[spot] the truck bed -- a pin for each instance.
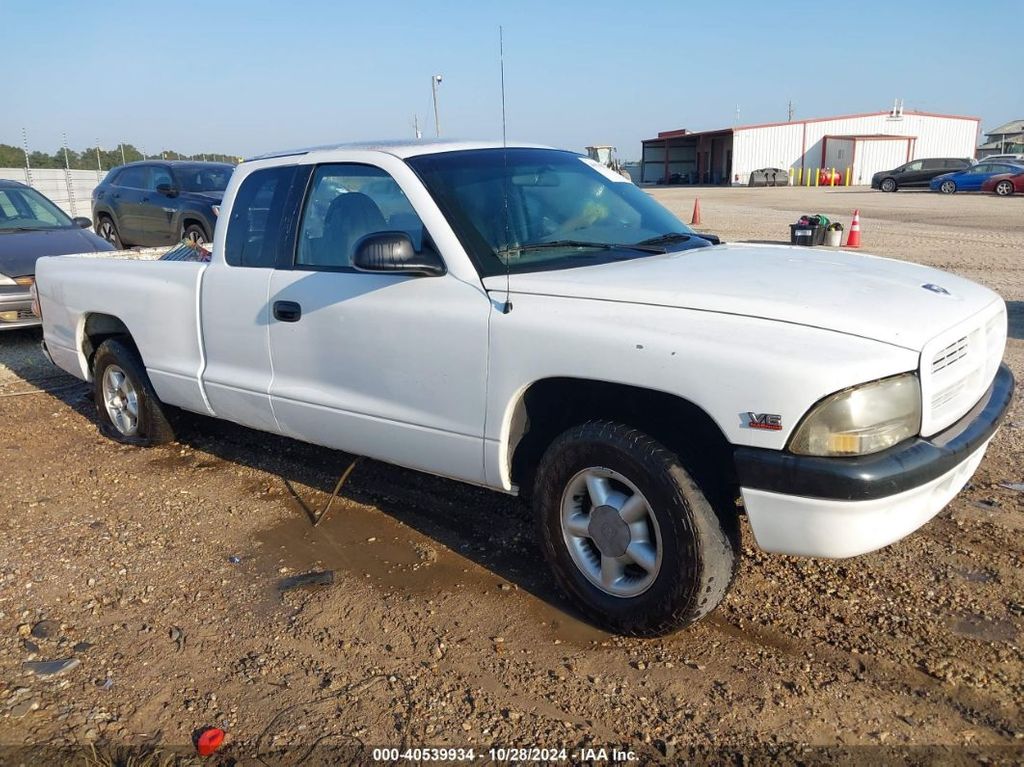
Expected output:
(157, 301)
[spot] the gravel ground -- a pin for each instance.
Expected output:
(160, 572)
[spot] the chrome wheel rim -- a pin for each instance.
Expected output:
(1003, 188)
(611, 532)
(888, 185)
(107, 232)
(196, 238)
(121, 400)
(948, 187)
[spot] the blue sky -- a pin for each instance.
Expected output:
(254, 76)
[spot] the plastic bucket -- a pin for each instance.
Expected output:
(833, 238)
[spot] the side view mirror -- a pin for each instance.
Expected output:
(393, 253)
(82, 222)
(167, 190)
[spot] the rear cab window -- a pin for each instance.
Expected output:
(261, 230)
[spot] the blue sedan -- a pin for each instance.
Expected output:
(971, 179)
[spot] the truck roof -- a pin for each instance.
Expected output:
(401, 148)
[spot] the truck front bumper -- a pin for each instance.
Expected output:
(842, 507)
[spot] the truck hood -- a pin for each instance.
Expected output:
(895, 302)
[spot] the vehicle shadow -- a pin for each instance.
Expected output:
(493, 530)
(1015, 319)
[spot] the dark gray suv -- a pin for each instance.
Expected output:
(159, 202)
(917, 173)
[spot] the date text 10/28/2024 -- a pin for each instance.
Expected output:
(612, 755)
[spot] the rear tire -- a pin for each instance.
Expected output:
(947, 187)
(1004, 188)
(628, 534)
(889, 185)
(107, 229)
(128, 409)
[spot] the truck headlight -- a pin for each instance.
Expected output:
(862, 420)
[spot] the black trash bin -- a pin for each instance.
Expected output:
(806, 234)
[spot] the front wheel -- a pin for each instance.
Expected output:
(889, 185)
(127, 408)
(947, 187)
(627, 532)
(195, 235)
(1004, 188)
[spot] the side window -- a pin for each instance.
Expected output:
(914, 166)
(346, 203)
(957, 164)
(7, 209)
(257, 230)
(160, 175)
(135, 177)
(934, 165)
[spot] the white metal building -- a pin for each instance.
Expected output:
(864, 143)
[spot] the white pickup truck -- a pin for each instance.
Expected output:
(523, 319)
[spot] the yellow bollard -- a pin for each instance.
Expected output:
(848, 169)
(791, 177)
(817, 176)
(807, 178)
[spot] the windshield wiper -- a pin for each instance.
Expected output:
(666, 238)
(555, 244)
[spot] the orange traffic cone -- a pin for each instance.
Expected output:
(853, 238)
(695, 220)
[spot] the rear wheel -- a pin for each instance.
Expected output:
(947, 187)
(627, 532)
(195, 235)
(1004, 188)
(108, 231)
(888, 185)
(127, 408)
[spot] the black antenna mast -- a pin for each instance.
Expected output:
(505, 180)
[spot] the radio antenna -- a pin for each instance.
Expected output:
(504, 185)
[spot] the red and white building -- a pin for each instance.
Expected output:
(864, 143)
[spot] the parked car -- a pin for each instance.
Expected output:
(971, 179)
(917, 173)
(527, 320)
(159, 203)
(32, 226)
(1004, 184)
(1011, 158)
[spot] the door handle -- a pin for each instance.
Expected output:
(287, 311)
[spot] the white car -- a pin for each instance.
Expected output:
(524, 319)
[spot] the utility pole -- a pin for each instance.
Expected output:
(737, 114)
(123, 161)
(28, 166)
(789, 117)
(434, 82)
(416, 127)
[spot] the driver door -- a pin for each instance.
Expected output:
(390, 366)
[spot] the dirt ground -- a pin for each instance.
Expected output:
(162, 573)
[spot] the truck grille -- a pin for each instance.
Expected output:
(958, 366)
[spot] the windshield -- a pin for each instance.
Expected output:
(23, 209)
(204, 178)
(533, 209)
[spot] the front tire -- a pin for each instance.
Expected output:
(628, 534)
(195, 235)
(128, 409)
(947, 187)
(888, 185)
(1004, 188)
